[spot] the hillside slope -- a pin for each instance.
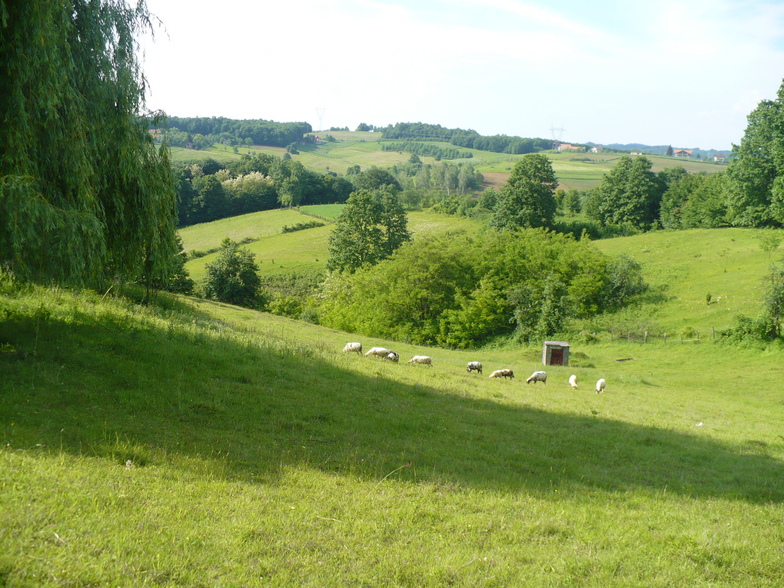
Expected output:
(205, 444)
(581, 171)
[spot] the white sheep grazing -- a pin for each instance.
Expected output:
(353, 348)
(504, 373)
(422, 359)
(474, 366)
(600, 385)
(392, 356)
(378, 352)
(537, 377)
(573, 381)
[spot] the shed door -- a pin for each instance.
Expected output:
(556, 356)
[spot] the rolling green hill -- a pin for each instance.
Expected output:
(681, 266)
(580, 171)
(199, 444)
(301, 250)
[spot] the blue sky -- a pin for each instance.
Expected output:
(684, 73)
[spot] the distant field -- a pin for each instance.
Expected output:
(300, 251)
(581, 171)
(326, 211)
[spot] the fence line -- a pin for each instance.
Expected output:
(664, 337)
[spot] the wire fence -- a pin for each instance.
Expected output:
(643, 337)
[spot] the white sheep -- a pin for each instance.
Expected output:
(353, 348)
(573, 381)
(474, 366)
(504, 373)
(392, 356)
(600, 385)
(421, 359)
(378, 352)
(537, 377)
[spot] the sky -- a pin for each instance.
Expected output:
(684, 73)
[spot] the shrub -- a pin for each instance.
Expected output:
(233, 277)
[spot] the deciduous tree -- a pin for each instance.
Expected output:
(233, 276)
(528, 198)
(371, 227)
(85, 196)
(756, 192)
(630, 193)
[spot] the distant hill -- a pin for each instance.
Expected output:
(662, 149)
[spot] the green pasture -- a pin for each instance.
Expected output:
(299, 251)
(686, 266)
(199, 444)
(581, 171)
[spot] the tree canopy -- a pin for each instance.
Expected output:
(630, 193)
(756, 187)
(84, 194)
(371, 227)
(528, 198)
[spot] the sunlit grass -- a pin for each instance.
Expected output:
(203, 444)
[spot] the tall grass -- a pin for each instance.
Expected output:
(205, 445)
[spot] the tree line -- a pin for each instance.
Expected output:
(427, 150)
(210, 130)
(469, 139)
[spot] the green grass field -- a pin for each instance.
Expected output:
(199, 444)
(300, 251)
(581, 171)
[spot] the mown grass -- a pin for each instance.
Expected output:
(206, 445)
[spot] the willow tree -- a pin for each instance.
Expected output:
(85, 195)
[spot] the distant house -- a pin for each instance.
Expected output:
(597, 149)
(719, 157)
(682, 153)
(567, 147)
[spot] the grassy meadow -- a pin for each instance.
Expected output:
(580, 171)
(199, 444)
(299, 251)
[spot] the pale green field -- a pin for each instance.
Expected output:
(300, 251)
(581, 171)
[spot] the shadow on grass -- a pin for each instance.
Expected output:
(123, 390)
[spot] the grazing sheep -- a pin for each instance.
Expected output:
(353, 347)
(600, 385)
(537, 377)
(573, 381)
(474, 366)
(378, 352)
(392, 356)
(423, 359)
(504, 373)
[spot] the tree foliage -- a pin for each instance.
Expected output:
(461, 291)
(756, 190)
(370, 228)
(527, 200)
(629, 194)
(233, 276)
(84, 194)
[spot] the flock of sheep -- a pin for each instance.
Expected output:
(473, 366)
